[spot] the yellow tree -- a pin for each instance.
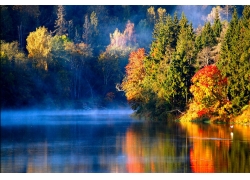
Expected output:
(39, 46)
(135, 73)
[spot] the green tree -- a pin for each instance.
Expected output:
(160, 53)
(207, 36)
(234, 60)
(181, 68)
(205, 44)
(217, 26)
(157, 64)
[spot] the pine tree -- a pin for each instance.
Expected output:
(61, 23)
(181, 68)
(157, 65)
(208, 36)
(176, 29)
(160, 55)
(217, 26)
(86, 30)
(234, 60)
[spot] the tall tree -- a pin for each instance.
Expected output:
(132, 82)
(60, 23)
(70, 29)
(86, 30)
(181, 68)
(217, 26)
(114, 59)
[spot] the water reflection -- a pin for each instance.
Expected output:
(73, 144)
(116, 143)
(156, 147)
(218, 148)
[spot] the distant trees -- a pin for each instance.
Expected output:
(79, 54)
(114, 59)
(74, 60)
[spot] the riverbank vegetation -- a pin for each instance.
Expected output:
(160, 59)
(201, 74)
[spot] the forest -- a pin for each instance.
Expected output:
(165, 62)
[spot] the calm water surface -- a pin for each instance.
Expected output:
(111, 141)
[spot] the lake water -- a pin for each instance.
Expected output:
(111, 142)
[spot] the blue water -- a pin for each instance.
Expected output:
(111, 142)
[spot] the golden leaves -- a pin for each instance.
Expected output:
(39, 43)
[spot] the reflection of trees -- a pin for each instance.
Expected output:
(151, 149)
(217, 148)
(36, 161)
(239, 158)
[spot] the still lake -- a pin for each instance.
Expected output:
(113, 142)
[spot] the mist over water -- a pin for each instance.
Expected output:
(77, 141)
(63, 116)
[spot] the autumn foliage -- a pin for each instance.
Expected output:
(135, 73)
(209, 95)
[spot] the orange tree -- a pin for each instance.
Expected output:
(209, 95)
(135, 73)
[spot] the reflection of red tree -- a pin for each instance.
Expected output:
(201, 159)
(134, 165)
(205, 156)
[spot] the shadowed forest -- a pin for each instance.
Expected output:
(189, 62)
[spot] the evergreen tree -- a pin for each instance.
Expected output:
(86, 35)
(61, 23)
(176, 29)
(181, 68)
(157, 66)
(234, 62)
(217, 26)
(208, 36)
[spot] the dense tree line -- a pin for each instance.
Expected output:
(205, 72)
(69, 56)
(89, 56)
(66, 56)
